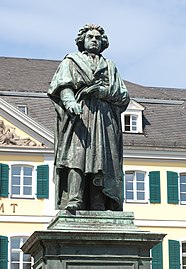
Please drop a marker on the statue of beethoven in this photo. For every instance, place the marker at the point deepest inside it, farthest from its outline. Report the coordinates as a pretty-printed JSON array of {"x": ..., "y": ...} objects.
[{"x": 89, "y": 97}]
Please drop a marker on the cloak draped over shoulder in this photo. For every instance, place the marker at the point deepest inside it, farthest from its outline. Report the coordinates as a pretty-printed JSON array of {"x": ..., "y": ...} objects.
[{"x": 92, "y": 141}]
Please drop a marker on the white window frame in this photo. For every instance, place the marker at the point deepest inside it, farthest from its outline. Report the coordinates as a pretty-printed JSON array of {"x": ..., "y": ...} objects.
[
  {"x": 133, "y": 128},
  {"x": 179, "y": 188},
  {"x": 146, "y": 185},
  {"x": 21, "y": 254},
  {"x": 21, "y": 195},
  {"x": 23, "y": 109}
]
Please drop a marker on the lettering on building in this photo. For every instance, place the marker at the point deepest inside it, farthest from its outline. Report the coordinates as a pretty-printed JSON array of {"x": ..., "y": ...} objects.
[{"x": 12, "y": 206}]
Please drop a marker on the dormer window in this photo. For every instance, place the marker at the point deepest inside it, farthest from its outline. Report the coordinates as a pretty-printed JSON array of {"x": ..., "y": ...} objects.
[
  {"x": 132, "y": 118},
  {"x": 23, "y": 109}
]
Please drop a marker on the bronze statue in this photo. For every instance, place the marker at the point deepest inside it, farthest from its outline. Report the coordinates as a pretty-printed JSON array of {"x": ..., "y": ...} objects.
[{"x": 89, "y": 97}]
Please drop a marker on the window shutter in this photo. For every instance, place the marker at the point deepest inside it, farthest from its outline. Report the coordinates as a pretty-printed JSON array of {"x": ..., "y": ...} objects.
[
  {"x": 157, "y": 256},
  {"x": 4, "y": 178},
  {"x": 174, "y": 254},
  {"x": 3, "y": 252},
  {"x": 42, "y": 181},
  {"x": 154, "y": 185},
  {"x": 172, "y": 187}
]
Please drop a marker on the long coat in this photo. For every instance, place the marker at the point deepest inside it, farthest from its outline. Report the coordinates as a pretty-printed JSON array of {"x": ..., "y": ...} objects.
[{"x": 91, "y": 142}]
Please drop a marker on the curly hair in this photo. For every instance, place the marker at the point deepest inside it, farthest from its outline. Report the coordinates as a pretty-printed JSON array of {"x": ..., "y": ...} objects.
[{"x": 82, "y": 32}]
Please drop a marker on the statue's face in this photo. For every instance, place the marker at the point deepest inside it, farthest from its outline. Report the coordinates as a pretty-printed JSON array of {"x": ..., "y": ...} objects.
[{"x": 92, "y": 42}]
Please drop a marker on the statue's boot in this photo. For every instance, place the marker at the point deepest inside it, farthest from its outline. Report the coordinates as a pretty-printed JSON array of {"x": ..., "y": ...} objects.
[{"x": 76, "y": 185}]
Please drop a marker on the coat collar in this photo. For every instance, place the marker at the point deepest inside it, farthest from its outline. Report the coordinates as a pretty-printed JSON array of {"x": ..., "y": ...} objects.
[{"x": 80, "y": 58}]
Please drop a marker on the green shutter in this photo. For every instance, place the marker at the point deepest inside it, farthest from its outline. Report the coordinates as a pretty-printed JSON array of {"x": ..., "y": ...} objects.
[
  {"x": 4, "y": 178},
  {"x": 172, "y": 187},
  {"x": 154, "y": 185},
  {"x": 3, "y": 252},
  {"x": 42, "y": 181},
  {"x": 157, "y": 256},
  {"x": 174, "y": 254}
]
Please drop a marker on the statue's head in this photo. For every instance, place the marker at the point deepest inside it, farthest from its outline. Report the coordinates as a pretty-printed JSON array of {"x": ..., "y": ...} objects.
[{"x": 90, "y": 34}]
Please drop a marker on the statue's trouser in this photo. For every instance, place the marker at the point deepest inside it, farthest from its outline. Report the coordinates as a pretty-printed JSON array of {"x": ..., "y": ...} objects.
[{"x": 78, "y": 184}]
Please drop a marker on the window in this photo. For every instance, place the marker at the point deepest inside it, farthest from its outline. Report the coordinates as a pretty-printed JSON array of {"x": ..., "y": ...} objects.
[
  {"x": 141, "y": 186},
  {"x": 183, "y": 255},
  {"x": 23, "y": 108},
  {"x": 135, "y": 186},
  {"x": 131, "y": 123},
  {"x": 183, "y": 187},
  {"x": 21, "y": 180},
  {"x": 19, "y": 260},
  {"x": 131, "y": 119}
]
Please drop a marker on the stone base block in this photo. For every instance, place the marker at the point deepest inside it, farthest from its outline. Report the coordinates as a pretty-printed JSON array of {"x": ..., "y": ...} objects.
[
  {"x": 92, "y": 220},
  {"x": 91, "y": 240}
]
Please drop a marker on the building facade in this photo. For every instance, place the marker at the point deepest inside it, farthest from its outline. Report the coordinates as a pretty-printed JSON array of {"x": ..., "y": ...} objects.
[
  {"x": 154, "y": 162},
  {"x": 26, "y": 159},
  {"x": 154, "y": 168}
]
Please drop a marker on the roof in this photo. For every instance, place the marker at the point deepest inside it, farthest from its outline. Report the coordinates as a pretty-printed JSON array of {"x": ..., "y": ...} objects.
[
  {"x": 26, "y": 81},
  {"x": 163, "y": 126},
  {"x": 21, "y": 74}
]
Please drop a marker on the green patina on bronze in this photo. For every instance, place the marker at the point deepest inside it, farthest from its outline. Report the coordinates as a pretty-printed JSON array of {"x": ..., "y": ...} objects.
[{"x": 89, "y": 97}]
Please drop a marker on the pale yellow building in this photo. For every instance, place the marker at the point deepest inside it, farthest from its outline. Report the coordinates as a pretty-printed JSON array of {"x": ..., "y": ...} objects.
[
  {"x": 155, "y": 169},
  {"x": 26, "y": 204}
]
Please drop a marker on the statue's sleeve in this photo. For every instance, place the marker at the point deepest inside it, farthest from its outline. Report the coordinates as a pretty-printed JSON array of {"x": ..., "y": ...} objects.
[{"x": 64, "y": 77}]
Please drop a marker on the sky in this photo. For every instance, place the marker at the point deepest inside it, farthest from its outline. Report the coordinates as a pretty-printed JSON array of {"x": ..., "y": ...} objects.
[{"x": 147, "y": 37}]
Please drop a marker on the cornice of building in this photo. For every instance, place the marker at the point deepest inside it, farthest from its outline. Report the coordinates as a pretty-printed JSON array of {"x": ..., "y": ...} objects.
[
  {"x": 25, "y": 150},
  {"x": 154, "y": 153},
  {"x": 160, "y": 223}
]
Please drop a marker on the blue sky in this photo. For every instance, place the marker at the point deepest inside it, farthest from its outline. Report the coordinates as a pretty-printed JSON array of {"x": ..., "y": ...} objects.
[{"x": 147, "y": 37}]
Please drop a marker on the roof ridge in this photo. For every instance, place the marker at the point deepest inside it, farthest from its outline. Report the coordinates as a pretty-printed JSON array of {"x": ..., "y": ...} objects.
[{"x": 28, "y": 58}]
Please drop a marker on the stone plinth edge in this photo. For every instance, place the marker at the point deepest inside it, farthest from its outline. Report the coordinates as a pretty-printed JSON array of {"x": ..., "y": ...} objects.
[{"x": 92, "y": 220}]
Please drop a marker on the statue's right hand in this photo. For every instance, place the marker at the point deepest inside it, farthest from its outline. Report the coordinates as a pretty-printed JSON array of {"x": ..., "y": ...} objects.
[
  {"x": 93, "y": 88},
  {"x": 74, "y": 108}
]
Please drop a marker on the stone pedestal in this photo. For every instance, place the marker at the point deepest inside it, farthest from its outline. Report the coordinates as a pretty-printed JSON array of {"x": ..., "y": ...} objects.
[{"x": 91, "y": 240}]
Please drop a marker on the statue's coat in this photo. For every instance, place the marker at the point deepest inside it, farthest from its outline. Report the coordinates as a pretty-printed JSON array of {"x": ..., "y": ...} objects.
[{"x": 91, "y": 142}]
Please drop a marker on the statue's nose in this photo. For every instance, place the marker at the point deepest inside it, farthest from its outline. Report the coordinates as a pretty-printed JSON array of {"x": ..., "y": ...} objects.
[{"x": 93, "y": 38}]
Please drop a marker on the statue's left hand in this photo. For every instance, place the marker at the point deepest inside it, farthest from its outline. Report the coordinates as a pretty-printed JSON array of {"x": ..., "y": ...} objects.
[{"x": 74, "y": 108}]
